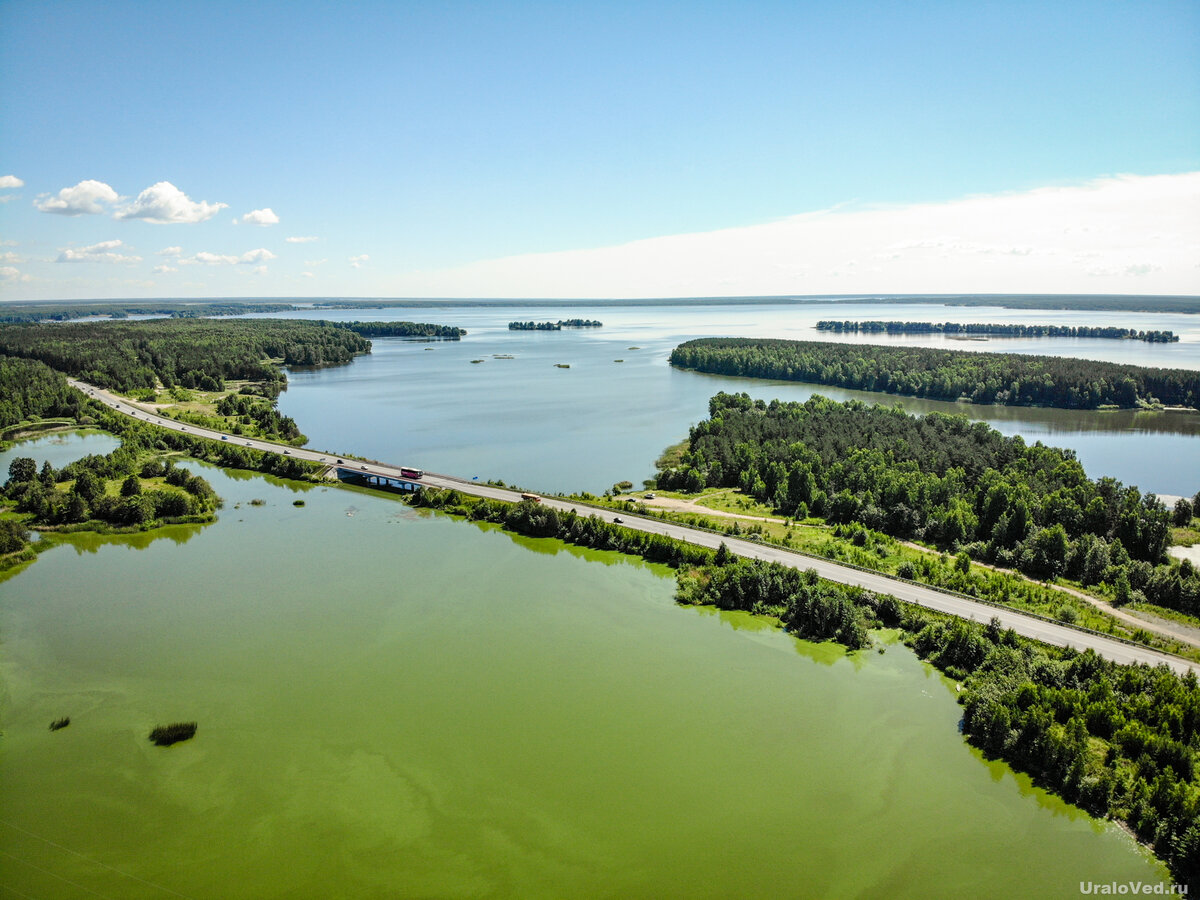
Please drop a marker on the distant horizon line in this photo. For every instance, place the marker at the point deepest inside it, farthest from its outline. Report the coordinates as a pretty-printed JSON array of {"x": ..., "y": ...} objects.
[{"x": 605, "y": 301}]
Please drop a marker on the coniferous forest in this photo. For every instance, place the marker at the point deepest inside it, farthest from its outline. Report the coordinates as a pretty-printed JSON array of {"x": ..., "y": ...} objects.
[
  {"x": 996, "y": 329},
  {"x": 1009, "y": 379},
  {"x": 956, "y": 484},
  {"x": 191, "y": 353}
]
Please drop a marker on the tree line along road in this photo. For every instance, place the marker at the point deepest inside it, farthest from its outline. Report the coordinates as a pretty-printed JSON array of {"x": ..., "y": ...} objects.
[{"x": 1045, "y": 630}]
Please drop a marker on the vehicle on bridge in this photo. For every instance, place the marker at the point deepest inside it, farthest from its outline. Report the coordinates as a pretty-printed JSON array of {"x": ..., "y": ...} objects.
[{"x": 411, "y": 473}]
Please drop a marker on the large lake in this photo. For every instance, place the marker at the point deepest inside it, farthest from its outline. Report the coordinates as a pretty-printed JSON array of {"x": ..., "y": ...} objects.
[
  {"x": 601, "y": 421},
  {"x": 395, "y": 705}
]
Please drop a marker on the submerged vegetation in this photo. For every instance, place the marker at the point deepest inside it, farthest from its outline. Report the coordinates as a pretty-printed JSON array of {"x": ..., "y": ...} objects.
[
  {"x": 166, "y": 735},
  {"x": 997, "y": 329},
  {"x": 1008, "y": 379},
  {"x": 1120, "y": 741}
]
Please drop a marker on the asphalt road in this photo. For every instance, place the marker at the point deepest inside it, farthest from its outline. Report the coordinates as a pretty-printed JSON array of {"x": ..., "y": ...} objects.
[{"x": 1028, "y": 626}]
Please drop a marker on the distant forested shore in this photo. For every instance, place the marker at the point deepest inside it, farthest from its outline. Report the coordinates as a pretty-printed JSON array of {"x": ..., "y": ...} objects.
[
  {"x": 195, "y": 352},
  {"x": 38, "y": 310},
  {"x": 1008, "y": 379},
  {"x": 400, "y": 329},
  {"x": 554, "y": 326},
  {"x": 996, "y": 329}
]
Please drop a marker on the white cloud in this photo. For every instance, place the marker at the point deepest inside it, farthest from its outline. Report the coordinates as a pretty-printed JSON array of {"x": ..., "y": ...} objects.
[
  {"x": 163, "y": 269},
  {"x": 8, "y": 273},
  {"x": 300, "y": 240},
  {"x": 11, "y": 181},
  {"x": 170, "y": 251},
  {"x": 1125, "y": 233},
  {"x": 85, "y": 198},
  {"x": 165, "y": 204},
  {"x": 357, "y": 261},
  {"x": 315, "y": 262},
  {"x": 9, "y": 257},
  {"x": 307, "y": 275},
  {"x": 259, "y": 217},
  {"x": 216, "y": 259},
  {"x": 256, "y": 256},
  {"x": 103, "y": 252}
]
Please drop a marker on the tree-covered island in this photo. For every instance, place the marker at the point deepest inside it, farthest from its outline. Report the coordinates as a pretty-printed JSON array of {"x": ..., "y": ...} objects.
[
  {"x": 554, "y": 326},
  {"x": 996, "y": 329},
  {"x": 1009, "y": 379}
]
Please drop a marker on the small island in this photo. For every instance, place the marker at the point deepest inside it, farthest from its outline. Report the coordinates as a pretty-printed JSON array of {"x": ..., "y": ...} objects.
[
  {"x": 166, "y": 735},
  {"x": 554, "y": 326}
]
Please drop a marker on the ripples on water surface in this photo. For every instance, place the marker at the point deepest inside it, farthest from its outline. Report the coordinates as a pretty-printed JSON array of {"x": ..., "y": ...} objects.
[
  {"x": 392, "y": 704},
  {"x": 601, "y": 421}
]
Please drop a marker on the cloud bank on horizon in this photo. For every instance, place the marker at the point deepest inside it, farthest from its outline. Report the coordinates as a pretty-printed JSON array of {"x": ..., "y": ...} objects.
[
  {"x": 1123, "y": 234},
  {"x": 1119, "y": 234}
]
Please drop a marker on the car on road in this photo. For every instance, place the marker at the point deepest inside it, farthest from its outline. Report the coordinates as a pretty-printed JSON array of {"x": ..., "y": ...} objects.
[
  {"x": 617, "y": 520},
  {"x": 224, "y": 437}
]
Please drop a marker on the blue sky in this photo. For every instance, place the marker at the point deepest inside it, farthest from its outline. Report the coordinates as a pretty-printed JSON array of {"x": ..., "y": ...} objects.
[{"x": 420, "y": 142}]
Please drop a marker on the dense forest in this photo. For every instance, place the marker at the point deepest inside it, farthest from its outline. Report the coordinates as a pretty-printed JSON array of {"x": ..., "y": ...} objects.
[
  {"x": 554, "y": 326},
  {"x": 1010, "y": 379},
  {"x": 31, "y": 388},
  {"x": 401, "y": 329},
  {"x": 199, "y": 353},
  {"x": 997, "y": 329},
  {"x": 181, "y": 309},
  {"x": 945, "y": 480}
]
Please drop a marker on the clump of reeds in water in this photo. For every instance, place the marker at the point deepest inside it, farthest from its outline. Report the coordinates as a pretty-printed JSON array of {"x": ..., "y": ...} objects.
[
  {"x": 60, "y": 723},
  {"x": 165, "y": 735}
]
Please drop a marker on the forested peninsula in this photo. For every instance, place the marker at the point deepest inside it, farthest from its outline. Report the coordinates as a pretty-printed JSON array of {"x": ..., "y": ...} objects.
[
  {"x": 996, "y": 329},
  {"x": 1009, "y": 379},
  {"x": 197, "y": 353},
  {"x": 955, "y": 484},
  {"x": 135, "y": 487}
]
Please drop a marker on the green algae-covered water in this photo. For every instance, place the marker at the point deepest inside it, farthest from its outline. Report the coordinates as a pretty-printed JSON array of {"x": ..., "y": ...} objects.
[{"x": 403, "y": 705}]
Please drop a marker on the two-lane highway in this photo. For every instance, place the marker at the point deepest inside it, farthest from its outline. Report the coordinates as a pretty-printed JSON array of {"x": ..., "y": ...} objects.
[{"x": 1039, "y": 629}]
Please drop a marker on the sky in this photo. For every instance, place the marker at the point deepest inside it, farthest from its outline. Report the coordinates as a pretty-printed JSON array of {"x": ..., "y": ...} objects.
[{"x": 597, "y": 149}]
